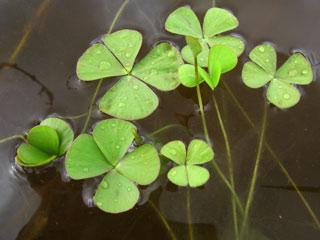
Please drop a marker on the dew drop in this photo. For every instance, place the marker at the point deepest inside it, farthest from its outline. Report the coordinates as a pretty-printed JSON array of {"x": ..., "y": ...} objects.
[
  {"x": 173, "y": 152},
  {"x": 104, "y": 65},
  {"x": 304, "y": 72},
  {"x": 135, "y": 87},
  {"x": 117, "y": 147},
  {"x": 267, "y": 60},
  {"x": 293, "y": 73},
  {"x": 99, "y": 204},
  {"x": 261, "y": 49},
  {"x": 129, "y": 189},
  {"x": 173, "y": 173},
  {"x": 128, "y": 55},
  {"x": 86, "y": 169},
  {"x": 286, "y": 96},
  {"x": 121, "y": 104},
  {"x": 170, "y": 54},
  {"x": 104, "y": 184},
  {"x": 119, "y": 184}
]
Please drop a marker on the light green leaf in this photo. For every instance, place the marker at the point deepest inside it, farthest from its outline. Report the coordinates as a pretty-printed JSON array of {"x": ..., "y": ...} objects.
[
  {"x": 183, "y": 21},
  {"x": 218, "y": 20},
  {"x": 282, "y": 94},
  {"x": 194, "y": 45},
  {"x": 113, "y": 137},
  {"x": 125, "y": 45},
  {"x": 187, "y": 76},
  {"x": 215, "y": 76},
  {"x": 197, "y": 176},
  {"x": 266, "y": 57},
  {"x": 64, "y": 131},
  {"x": 45, "y": 139},
  {"x": 30, "y": 156},
  {"x": 199, "y": 152},
  {"x": 141, "y": 166},
  {"x": 254, "y": 76},
  {"x": 178, "y": 176},
  {"x": 235, "y": 43},
  {"x": 175, "y": 151},
  {"x": 160, "y": 67},
  {"x": 297, "y": 70},
  {"x": 85, "y": 160},
  {"x": 129, "y": 99},
  {"x": 116, "y": 193},
  {"x": 224, "y": 56},
  {"x": 98, "y": 62},
  {"x": 202, "y": 57}
]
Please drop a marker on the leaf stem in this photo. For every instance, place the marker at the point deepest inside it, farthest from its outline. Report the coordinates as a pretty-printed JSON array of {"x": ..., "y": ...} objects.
[
  {"x": 189, "y": 216},
  {"x": 168, "y": 127},
  {"x": 14, "y": 137},
  {"x": 75, "y": 117}
]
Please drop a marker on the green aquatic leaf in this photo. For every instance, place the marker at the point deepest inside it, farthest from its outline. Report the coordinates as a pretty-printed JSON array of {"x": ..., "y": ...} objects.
[
  {"x": 184, "y": 21},
  {"x": 141, "y": 166},
  {"x": 194, "y": 45},
  {"x": 202, "y": 58},
  {"x": 175, "y": 151},
  {"x": 113, "y": 137},
  {"x": 178, "y": 176},
  {"x": 223, "y": 56},
  {"x": 282, "y": 94},
  {"x": 64, "y": 131},
  {"x": 116, "y": 193},
  {"x": 187, "y": 76},
  {"x": 125, "y": 45},
  {"x": 266, "y": 57},
  {"x": 85, "y": 160},
  {"x": 30, "y": 156},
  {"x": 197, "y": 176},
  {"x": 98, "y": 62},
  {"x": 199, "y": 152},
  {"x": 235, "y": 43},
  {"x": 45, "y": 139},
  {"x": 160, "y": 67},
  {"x": 129, "y": 99},
  {"x": 215, "y": 76},
  {"x": 218, "y": 20},
  {"x": 254, "y": 76},
  {"x": 297, "y": 70}
]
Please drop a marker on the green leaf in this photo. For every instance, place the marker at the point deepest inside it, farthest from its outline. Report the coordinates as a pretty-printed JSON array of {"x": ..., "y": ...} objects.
[
  {"x": 141, "y": 166},
  {"x": 235, "y": 43},
  {"x": 183, "y": 21},
  {"x": 266, "y": 57},
  {"x": 224, "y": 56},
  {"x": 125, "y": 45},
  {"x": 282, "y": 94},
  {"x": 202, "y": 57},
  {"x": 129, "y": 99},
  {"x": 30, "y": 156},
  {"x": 160, "y": 67},
  {"x": 85, "y": 160},
  {"x": 45, "y": 139},
  {"x": 215, "y": 76},
  {"x": 199, "y": 152},
  {"x": 113, "y": 137},
  {"x": 98, "y": 62},
  {"x": 178, "y": 176},
  {"x": 116, "y": 193},
  {"x": 194, "y": 45},
  {"x": 64, "y": 131},
  {"x": 175, "y": 151},
  {"x": 297, "y": 70},
  {"x": 218, "y": 20},
  {"x": 254, "y": 76},
  {"x": 197, "y": 176},
  {"x": 187, "y": 76}
]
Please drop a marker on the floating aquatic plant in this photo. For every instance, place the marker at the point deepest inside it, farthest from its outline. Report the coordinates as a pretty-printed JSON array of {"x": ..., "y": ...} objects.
[
  {"x": 262, "y": 70},
  {"x": 45, "y": 142},
  {"x": 106, "y": 152},
  {"x": 130, "y": 98},
  {"x": 187, "y": 173},
  {"x": 183, "y": 21}
]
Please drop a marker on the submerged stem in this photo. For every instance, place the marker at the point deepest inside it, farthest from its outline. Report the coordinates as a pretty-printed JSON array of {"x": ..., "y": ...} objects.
[
  {"x": 167, "y": 127},
  {"x": 189, "y": 216},
  {"x": 14, "y": 137},
  {"x": 75, "y": 117}
]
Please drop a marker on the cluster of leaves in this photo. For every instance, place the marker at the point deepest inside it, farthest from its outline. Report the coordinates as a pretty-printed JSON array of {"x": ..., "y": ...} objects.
[
  {"x": 45, "y": 142},
  {"x": 262, "y": 69}
]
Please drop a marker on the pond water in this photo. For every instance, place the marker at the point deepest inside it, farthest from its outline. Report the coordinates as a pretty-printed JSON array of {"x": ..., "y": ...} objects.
[{"x": 40, "y": 43}]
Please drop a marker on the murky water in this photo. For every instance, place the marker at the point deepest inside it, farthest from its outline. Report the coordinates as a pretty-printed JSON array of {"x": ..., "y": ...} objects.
[{"x": 39, "y": 80}]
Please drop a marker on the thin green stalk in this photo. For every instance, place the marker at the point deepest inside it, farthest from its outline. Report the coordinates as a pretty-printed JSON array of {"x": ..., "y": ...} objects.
[
  {"x": 275, "y": 157},
  {"x": 255, "y": 173},
  {"x": 163, "y": 220},
  {"x": 230, "y": 168},
  {"x": 75, "y": 117},
  {"x": 213, "y": 3},
  {"x": 95, "y": 94},
  {"x": 168, "y": 127},
  {"x": 14, "y": 137},
  {"x": 189, "y": 216}
]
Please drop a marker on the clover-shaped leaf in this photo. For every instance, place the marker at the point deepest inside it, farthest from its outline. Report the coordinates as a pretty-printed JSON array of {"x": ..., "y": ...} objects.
[
  {"x": 115, "y": 56},
  {"x": 106, "y": 153},
  {"x": 183, "y": 21},
  {"x": 187, "y": 173},
  {"x": 45, "y": 143},
  {"x": 262, "y": 69}
]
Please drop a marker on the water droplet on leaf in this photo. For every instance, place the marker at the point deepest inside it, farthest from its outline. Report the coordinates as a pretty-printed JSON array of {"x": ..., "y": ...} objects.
[
  {"x": 121, "y": 104},
  {"x": 293, "y": 73},
  {"x": 304, "y": 72},
  {"x": 135, "y": 87},
  {"x": 86, "y": 169},
  {"x": 286, "y": 96},
  {"x": 261, "y": 49},
  {"x": 99, "y": 204}
]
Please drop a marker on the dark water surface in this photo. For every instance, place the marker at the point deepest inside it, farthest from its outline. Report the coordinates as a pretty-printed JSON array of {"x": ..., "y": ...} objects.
[{"x": 39, "y": 79}]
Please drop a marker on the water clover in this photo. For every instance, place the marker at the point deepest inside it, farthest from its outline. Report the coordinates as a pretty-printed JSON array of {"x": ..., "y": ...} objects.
[
  {"x": 262, "y": 69},
  {"x": 187, "y": 173},
  {"x": 45, "y": 142},
  {"x": 183, "y": 21},
  {"x": 106, "y": 152},
  {"x": 130, "y": 98}
]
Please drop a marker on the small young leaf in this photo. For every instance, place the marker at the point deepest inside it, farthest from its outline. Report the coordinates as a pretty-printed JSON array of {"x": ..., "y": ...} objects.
[
  {"x": 235, "y": 43},
  {"x": 224, "y": 56},
  {"x": 116, "y": 193},
  {"x": 254, "y": 76},
  {"x": 187, "y": 76},
  {"x": 218, "y": 20},
  {"x": 266, "y": 57},
  {"x": 118, "y": 101},
  {"x": 199, "y": 152},
  {"x": 194, "y": 45},
  {"x": 178, "y": 176},
  {"x": 141, "y": 166},
  {"x": 184, "y": 21},
  {"x": 113, "y": 137},
  {"x": 197, "y": 176},
  {"x": 30, "y": 156},
  {"x": 98, "y": 62},
  {"x": 175, "y": 151},
  {"x": 45, "y": 139}
]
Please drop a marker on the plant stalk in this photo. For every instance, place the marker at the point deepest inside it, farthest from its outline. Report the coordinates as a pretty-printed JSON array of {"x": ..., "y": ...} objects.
[
  {"x": 168, "y": 127},
  {"x": 189, "y": 216},
  {"x": 14, "y": 137}
]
